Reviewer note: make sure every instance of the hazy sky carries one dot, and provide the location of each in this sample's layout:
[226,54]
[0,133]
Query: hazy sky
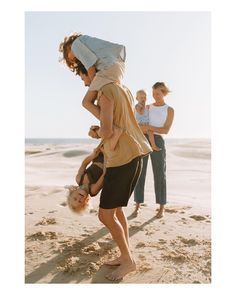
[173,47]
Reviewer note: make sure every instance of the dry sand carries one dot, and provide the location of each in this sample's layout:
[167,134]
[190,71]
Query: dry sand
[62,247]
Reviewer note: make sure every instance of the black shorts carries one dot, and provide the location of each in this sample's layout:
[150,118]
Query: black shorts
[119,183]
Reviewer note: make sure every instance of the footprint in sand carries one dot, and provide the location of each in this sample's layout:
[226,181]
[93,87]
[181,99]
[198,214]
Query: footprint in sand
[168,210]
[175,257]
[141,245]
[93,211]
[189,242]
[198,217]
[176,210]
[43,236]
[46,221]
[142,257]
[93,248]
[63,204]
[162,241]
[70,265]
[149,232]
[144,267]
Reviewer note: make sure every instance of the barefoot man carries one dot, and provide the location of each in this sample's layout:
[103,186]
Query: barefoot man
[124,163]
[122,169]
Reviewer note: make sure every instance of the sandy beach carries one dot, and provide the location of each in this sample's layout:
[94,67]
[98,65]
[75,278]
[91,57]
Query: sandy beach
[62,247]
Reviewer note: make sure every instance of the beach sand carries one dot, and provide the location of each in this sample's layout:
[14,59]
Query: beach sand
[62,247]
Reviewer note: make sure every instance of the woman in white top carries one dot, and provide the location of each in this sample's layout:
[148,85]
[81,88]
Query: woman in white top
[160,120]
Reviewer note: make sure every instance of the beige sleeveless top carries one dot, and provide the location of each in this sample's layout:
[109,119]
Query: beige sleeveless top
[132,142]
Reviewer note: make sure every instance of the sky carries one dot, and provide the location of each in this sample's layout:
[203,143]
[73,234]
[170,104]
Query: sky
[171,47]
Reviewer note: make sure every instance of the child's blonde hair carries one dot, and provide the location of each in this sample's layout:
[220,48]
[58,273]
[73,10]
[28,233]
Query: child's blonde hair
[140,91]
[161,85]
[79,209]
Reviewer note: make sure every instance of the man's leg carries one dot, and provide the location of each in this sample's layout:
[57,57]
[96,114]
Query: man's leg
[123,221]
[110,220]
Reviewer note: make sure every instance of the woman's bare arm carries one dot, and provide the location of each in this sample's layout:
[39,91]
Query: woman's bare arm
[163,130]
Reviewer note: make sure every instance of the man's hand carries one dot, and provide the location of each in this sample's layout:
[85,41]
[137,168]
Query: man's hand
[93,131]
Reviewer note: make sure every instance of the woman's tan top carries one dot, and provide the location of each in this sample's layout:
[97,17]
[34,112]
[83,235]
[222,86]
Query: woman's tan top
[132,142]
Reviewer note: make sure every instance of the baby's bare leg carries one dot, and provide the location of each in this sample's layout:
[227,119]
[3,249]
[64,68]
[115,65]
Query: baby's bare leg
[115,137]
[152,141]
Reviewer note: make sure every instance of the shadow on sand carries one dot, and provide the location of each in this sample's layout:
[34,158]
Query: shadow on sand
[75,250]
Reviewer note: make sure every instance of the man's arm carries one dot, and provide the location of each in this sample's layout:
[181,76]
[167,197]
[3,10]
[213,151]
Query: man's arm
[106,116]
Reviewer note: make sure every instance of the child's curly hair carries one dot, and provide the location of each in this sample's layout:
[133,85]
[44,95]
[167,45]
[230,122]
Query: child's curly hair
[65,47]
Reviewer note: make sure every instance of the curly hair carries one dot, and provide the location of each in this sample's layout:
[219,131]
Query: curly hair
[65,47]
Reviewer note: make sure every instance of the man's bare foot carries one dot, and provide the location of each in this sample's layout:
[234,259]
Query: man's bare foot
[114,262]
[160,213]
[156,148]
[121,271]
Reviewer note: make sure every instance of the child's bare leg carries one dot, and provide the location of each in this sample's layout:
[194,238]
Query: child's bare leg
[152,141]
[115,137]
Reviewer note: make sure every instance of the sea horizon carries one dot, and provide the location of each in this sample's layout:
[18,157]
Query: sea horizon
[71,140]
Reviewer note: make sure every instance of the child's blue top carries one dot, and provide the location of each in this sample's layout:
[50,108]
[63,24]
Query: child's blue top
[96,52]
[142,119]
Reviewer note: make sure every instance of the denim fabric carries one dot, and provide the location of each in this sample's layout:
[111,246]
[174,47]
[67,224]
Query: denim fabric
[96,52]
[158,160]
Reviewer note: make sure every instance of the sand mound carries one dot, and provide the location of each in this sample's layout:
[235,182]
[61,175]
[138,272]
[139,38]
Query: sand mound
[46,221]
[194,154]
[43,236]
[74,153]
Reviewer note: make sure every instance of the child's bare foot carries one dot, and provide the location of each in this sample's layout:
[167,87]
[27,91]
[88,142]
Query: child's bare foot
[114,262]
[156,148]
[125,268]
